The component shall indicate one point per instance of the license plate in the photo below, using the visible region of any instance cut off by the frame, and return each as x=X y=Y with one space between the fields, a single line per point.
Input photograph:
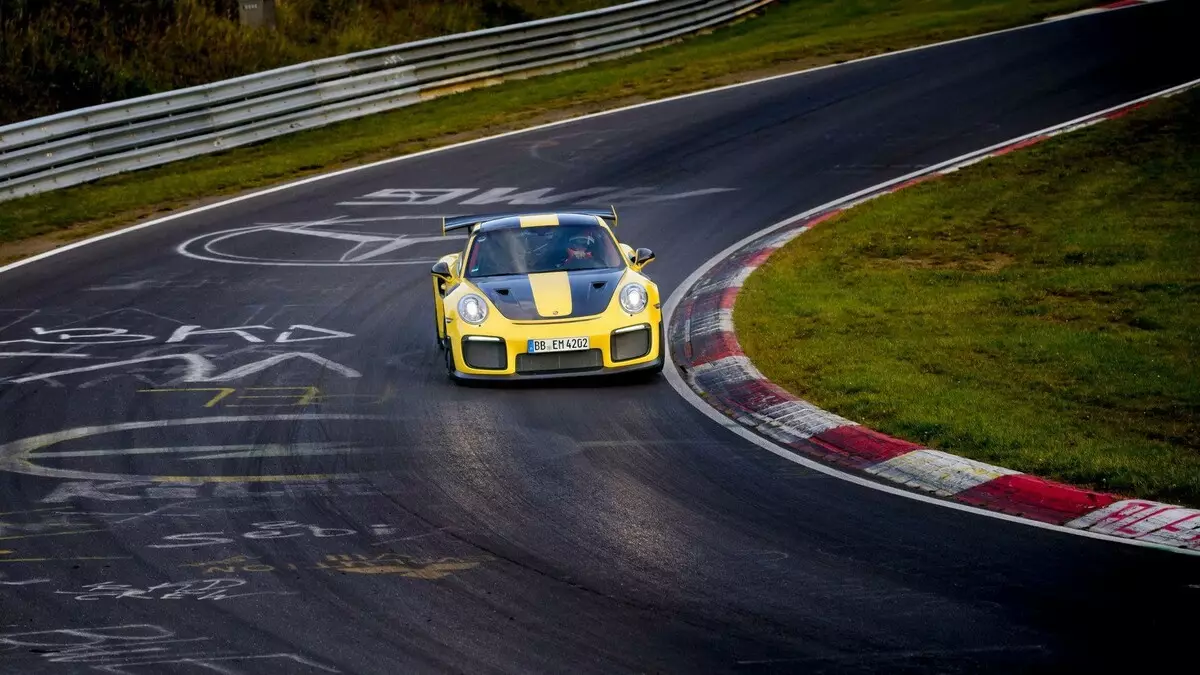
x=558 y=345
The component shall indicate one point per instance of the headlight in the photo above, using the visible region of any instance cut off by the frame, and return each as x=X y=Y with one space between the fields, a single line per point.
x=472 y=309
x=633 y=298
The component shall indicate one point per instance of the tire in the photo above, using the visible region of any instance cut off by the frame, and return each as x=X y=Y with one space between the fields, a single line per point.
x=450 y=363
x=649 y=374
x=662 y=353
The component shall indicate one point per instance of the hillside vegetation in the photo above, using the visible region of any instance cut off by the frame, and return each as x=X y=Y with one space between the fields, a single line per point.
x=57 y=55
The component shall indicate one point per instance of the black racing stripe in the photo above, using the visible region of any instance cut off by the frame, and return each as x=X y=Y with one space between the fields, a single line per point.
x=511 y=294
x=592 y=290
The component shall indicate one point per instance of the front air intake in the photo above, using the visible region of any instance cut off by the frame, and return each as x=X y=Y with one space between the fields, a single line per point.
x=485 y=354
x=630 y=344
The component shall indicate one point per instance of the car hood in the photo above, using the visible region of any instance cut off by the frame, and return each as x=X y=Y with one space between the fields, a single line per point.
x=551 y=295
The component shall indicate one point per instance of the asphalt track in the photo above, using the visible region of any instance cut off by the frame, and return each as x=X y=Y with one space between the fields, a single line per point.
x=405 y=524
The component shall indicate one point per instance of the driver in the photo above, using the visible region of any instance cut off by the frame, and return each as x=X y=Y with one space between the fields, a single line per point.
x=580 y=246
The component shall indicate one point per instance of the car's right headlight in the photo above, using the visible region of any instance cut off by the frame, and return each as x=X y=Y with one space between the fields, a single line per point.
x=472 y=309
x=633 y=298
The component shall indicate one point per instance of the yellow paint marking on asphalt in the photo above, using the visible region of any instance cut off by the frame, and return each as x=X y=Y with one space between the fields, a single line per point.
x=431 y=571
x=548 y=219
x=5 y=552
x=222 y=392
x=48 y=534
x=301 y=399
x=389 y=392
x=301 y=396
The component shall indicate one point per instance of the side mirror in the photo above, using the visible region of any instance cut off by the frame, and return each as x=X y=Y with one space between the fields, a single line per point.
x=441 y=270
x=642 y=256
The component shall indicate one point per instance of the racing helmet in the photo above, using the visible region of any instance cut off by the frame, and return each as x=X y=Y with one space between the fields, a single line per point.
x=580 y=245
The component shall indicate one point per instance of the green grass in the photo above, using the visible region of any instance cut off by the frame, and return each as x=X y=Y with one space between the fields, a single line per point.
x=787 y=36
x=1040 y=311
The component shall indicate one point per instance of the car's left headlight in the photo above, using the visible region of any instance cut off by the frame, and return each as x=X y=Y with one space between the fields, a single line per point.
x=633 y=298
x=472 y=309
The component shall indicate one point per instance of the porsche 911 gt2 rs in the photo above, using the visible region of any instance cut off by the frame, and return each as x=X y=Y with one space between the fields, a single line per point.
x=541 y=295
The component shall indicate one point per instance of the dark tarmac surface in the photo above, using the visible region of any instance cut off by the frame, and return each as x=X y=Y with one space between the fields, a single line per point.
x=230 y=445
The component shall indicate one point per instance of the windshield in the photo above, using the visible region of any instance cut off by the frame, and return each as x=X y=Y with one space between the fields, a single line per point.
x=529 y=250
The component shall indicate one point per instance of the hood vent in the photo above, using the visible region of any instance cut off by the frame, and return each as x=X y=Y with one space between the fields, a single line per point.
x=591 y=294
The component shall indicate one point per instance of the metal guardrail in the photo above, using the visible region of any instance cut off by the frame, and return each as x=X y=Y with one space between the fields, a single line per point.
x=82 y=145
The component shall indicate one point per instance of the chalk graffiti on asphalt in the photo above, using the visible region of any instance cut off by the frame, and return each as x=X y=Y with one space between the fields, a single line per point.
x=525 y=197
x=129 y=649
x=339 y=242
x=199 y=589
x=33 y=455
x=225 y=286
x=137 y=491
x=102 y=335
x=273 y=397
x=4 y=581
x=392 y=240
x=63 y=518
x=79 y=336
x=389 y=563
x=159 y=350
x=281 y=529
x=191 y=368
x=40 y=521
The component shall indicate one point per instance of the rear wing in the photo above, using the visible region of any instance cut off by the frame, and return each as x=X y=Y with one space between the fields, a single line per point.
x=471 y=222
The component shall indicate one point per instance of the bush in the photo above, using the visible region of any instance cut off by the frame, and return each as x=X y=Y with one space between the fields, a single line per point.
x=57 y=56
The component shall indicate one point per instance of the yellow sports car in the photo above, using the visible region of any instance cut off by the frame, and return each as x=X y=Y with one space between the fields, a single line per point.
x=545 y=295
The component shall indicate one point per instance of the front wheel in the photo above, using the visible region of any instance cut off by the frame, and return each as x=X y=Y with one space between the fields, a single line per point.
x=651 y=374
x=449 y=352
x=662 y=352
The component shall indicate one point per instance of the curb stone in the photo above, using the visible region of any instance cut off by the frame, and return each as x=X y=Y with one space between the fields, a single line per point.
x=1119 y=4
x=704 y=345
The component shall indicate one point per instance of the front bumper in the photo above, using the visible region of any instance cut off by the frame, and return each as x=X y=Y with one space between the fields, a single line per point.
x=506 y=358
x=602 y=372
